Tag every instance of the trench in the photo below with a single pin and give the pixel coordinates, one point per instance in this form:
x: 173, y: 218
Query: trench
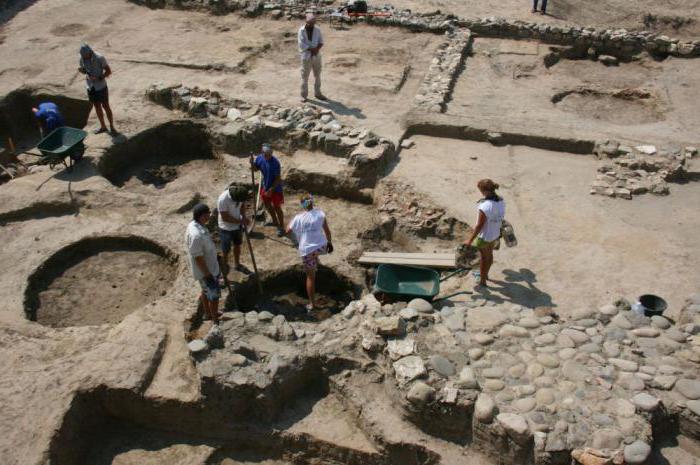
x: 18, y: 122
x: 98, y: 280
x: 153, y: 156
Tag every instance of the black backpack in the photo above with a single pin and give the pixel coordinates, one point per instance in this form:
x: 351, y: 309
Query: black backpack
x: 357, y: 6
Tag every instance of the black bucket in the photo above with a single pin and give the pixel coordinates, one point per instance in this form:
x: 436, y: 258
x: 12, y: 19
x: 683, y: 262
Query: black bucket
x: 653, y: 304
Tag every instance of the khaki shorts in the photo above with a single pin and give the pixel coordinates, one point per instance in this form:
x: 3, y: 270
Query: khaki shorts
x: 481, y: 244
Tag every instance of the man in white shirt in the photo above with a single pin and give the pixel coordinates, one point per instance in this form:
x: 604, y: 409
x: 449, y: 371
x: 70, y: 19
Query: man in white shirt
x: 231, y: 219
x: 310, y: 44
x: 204, y: 265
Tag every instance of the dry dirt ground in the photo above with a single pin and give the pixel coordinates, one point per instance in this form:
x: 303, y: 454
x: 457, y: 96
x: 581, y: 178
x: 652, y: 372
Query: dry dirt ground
x: 108, y: 353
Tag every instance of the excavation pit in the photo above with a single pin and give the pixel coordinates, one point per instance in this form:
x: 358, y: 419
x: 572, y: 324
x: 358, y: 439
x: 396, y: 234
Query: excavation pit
x: 284, y: 294
x: 154, y: 156
x: 624, y: 107
x: 98, y: 281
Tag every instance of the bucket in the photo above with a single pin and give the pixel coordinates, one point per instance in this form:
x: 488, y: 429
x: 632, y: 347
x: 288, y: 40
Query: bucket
x: 653, y: 304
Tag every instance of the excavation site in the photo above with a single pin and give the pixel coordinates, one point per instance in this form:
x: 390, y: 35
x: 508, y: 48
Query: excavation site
x: 288, y: 232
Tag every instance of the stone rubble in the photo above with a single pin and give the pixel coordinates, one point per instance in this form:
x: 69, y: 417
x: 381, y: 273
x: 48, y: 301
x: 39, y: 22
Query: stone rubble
x: 638, y: 170
x: 530, y: 385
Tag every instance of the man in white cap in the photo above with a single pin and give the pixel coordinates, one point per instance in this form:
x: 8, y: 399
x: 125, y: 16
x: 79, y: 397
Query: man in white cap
x: 310, y: 44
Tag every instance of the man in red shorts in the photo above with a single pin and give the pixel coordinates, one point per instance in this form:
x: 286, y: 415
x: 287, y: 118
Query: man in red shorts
x: 271, y: 188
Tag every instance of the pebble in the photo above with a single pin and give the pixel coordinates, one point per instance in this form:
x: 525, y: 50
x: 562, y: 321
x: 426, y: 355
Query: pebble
x: 578, y: 337
x: 545, y: 396
x: 485, y: 408
x: 515, y: 426
x: 265, y: 316
x: 676, y: 335
x: 590, y: 348
x: 467, y: 379
x: 442, y: 366
x: 494, y: 385
x: 582, y: 313
x: 693, y: 406
x: 409, y: 368
x: 517, y: 371
x: 545, y: 339
x: 524, y: 405
x: 512, y: 331
x: 399, y: 348
x: 495, y: 372
x: 421, y: 305
x: 525, y: 390
x: 529, y: 323
x: 544, y: 381
x: 689, y: 388
x: 664, y: 382
x: 609, y: 310
x: 548, y: 360
x: 624, y: 365
x: 648, y: 369
x: 476, y: 353
x: 660, y: 322
x: 565, y: 341
x: 621, y: 322
x: 483, y: 338
x: 646, y: 402
x: 420, y: 393
x: 535, y: 370
x: 630, y: 381
x: 408, y: 314
x: 646, y: 332
x: 636, y: 453
x: 624, y: 408
x: 566, y: 354
x: 611, y: 349
x: 575, y: 371
x: 606, y: 438
x: 197, y: 346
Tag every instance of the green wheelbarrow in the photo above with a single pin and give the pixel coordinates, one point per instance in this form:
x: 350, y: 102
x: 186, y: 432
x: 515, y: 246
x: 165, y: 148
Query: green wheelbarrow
x: 402, y: 282
x: 62, y: 143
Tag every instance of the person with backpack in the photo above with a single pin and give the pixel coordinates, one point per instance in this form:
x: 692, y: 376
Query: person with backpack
x: 491, y: 210
x: 311, y: 230
x: 231, y: 219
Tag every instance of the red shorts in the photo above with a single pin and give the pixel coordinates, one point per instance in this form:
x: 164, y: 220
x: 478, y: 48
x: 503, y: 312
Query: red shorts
x: 276, y: 198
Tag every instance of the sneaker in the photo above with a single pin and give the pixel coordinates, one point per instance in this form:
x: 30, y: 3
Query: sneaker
x: 321, y: 97
x: 99, y: 130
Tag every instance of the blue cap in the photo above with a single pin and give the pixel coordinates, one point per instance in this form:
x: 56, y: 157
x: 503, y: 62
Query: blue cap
x: 85, y: 49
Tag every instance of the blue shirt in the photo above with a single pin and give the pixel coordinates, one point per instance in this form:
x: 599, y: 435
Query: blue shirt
x: 270, y: 170
x: 49, y: 116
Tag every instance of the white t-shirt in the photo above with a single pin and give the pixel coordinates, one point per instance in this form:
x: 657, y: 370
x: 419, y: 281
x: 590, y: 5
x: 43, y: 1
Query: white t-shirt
x: 308, y: 229
x: 199, y: 243
x: 495, y: 212
x: 226, y: 204
x: 305, y: 44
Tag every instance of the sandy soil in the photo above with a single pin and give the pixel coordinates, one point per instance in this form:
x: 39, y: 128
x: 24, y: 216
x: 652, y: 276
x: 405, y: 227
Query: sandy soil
x: 362, y: 69
x: 104, y: 288
x: 507, y: 81
x: 574, y: 249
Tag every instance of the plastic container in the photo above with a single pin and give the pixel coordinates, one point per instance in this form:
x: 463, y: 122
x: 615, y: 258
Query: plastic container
x: 653, y: 304
x: 508, y: 234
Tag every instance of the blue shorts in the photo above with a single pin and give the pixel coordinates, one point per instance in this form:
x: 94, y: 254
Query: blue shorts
x: 228, y: 237
x: 212, y: 294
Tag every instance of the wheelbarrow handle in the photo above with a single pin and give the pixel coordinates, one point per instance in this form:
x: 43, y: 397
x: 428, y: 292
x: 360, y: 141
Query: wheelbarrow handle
x: 457, y: 271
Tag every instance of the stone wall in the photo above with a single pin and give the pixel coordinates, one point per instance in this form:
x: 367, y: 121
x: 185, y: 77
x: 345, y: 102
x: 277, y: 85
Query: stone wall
x: 436, y: 88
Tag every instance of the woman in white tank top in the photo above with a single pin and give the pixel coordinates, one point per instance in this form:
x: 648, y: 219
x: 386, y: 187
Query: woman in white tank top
x: 491, y: 211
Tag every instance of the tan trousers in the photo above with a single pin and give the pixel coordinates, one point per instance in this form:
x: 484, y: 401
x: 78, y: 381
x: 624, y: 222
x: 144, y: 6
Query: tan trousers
x: 312, y: 64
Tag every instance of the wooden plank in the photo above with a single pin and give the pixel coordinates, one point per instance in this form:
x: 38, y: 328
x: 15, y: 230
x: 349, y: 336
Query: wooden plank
x: 407, y: 261
x: 439, y: 256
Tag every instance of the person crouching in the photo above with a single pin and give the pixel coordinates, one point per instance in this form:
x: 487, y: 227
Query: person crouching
x: 310, y: 227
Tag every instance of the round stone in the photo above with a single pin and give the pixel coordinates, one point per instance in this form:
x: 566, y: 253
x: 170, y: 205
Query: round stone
x: 421, y: 305
x: 516, y: 371
x: 420, y: 393
x: 494, y: 384
x: 512, y: 331
x: 529, y: 323
x: 694, y: 406
x: 515, y: 426
x: 467, y: 379
x: 482, y: 338
x: 494, y: 372
x: 545, y: 339
x: 197, y: 346
x: 545, y: 396
x: 548, y: 360
x: 485, y: 408
x: 442, y: 366
x: 608, y: 310
x: 476, y: 353
x: 689, y: 388
x: 524, y: 405
x: 544, y: 381
x: 660, y: 322
x: 606, y: 438
x: 611, y: 349
x: 535, y: 370
x: 637, y: 453
x: 567, y: 354
x: 646, y: 332
x: 624, y: 365
x: 525, y: 390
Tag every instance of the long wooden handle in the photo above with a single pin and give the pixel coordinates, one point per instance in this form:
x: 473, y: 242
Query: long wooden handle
x: 252, y: 259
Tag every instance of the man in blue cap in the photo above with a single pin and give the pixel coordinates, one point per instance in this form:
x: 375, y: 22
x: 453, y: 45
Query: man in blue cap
x: 96, y: 70
x: 49, y: 117
x: 271, y: 191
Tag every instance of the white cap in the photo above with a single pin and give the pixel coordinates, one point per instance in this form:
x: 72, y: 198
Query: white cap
x: 310, y: 17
